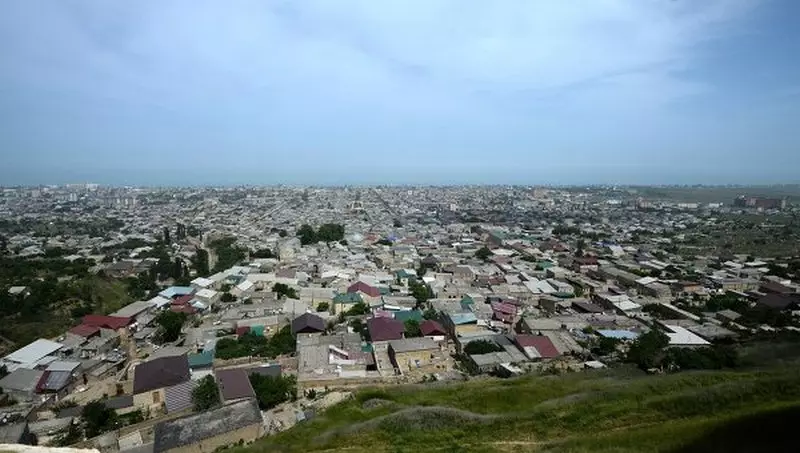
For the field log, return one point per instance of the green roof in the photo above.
(199, 360)
(407, 315)
(347, 298)
(467, 300)
(544, 264)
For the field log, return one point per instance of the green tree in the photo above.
(284, 290)
(323, 306)
(420, 292)
(98, 418)
(227, 297)
(358, 309)
(166, 236)
(201, 263)
(272, 391)
(430, 313)
(262, 253)
(206, 394)
(477, 347)
(171, 324)
(412, 328)
(307, 234)
(648, 350)
(483, 253)
(605, 346)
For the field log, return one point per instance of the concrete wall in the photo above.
(248, 434)
(151, 401)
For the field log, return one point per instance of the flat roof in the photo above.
(33, 352)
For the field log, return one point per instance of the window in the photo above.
(156, 398)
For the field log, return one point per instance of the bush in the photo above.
(206, 394)
(478, 347)
(271, 391)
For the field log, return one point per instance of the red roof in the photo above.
(504, 308)
(384, 329)
(242, 330)
(183, 300)
(108, 322)
(542, 344)
(430, 327)
(364, 288)
(85, 331)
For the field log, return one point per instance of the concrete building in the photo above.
(207, 431)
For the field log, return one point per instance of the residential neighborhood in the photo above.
(192, 319)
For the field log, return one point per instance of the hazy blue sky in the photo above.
(383, 91)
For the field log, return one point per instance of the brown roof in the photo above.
(308, 323)
(384, 329)
(160, 373)
(430, 327)
(546, 348)
(234, 384)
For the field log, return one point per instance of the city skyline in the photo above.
(363, 93)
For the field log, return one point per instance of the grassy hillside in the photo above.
(605, 411)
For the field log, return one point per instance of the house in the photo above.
(727, 316)
(361, 287)
(19, 291)
(778, 301)
(134, 310)
(504, 312)
(682, 337)
(414, 354)
(21, 384)
(308, 323)
(207, 431)
(344, 301)
(176, 291)
(385, 329)
(433, 330)
(772, 287)
(87, 332)
(202, 283)
(536, 347)
(243, 289)
(151, 378)
(586, 307)
(28, 356)
(234, 384)
(16, 434)
(107, 322)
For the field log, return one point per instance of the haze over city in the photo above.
(364, 92)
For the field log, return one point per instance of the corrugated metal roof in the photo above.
(179, 397)
(34, 351)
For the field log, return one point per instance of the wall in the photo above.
(146, 400)
(406, 360)
(248, 434)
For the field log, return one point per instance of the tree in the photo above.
(284, 290)
(483, 254)
(193, 231)
(98, 418)
(201, 263)
(478, 347)
(323, 306)
(180, 232)
(307, 234)
(166, 236)
(605, 346)
(272, 391)
(262, 253)
(647, 350)
(206, 394)
(171, 324)
(3, 244)
(358, 309)
(227, 297)
(420, 291)
(430, 313)
(412, 328)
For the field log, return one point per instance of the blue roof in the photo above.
(463, 318)
(618, 334)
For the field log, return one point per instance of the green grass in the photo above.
(605, 411)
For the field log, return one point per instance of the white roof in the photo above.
(627, 305)
(646, 280)
(206, 293)
(159, 301)
(33, 352)
(682, 337)
(244, 285)
(202, 282)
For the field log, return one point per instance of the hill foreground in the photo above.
(602, 411)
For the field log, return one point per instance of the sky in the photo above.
(201, 92)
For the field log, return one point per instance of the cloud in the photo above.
(438, 55)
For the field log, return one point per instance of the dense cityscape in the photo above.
(150, 320)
